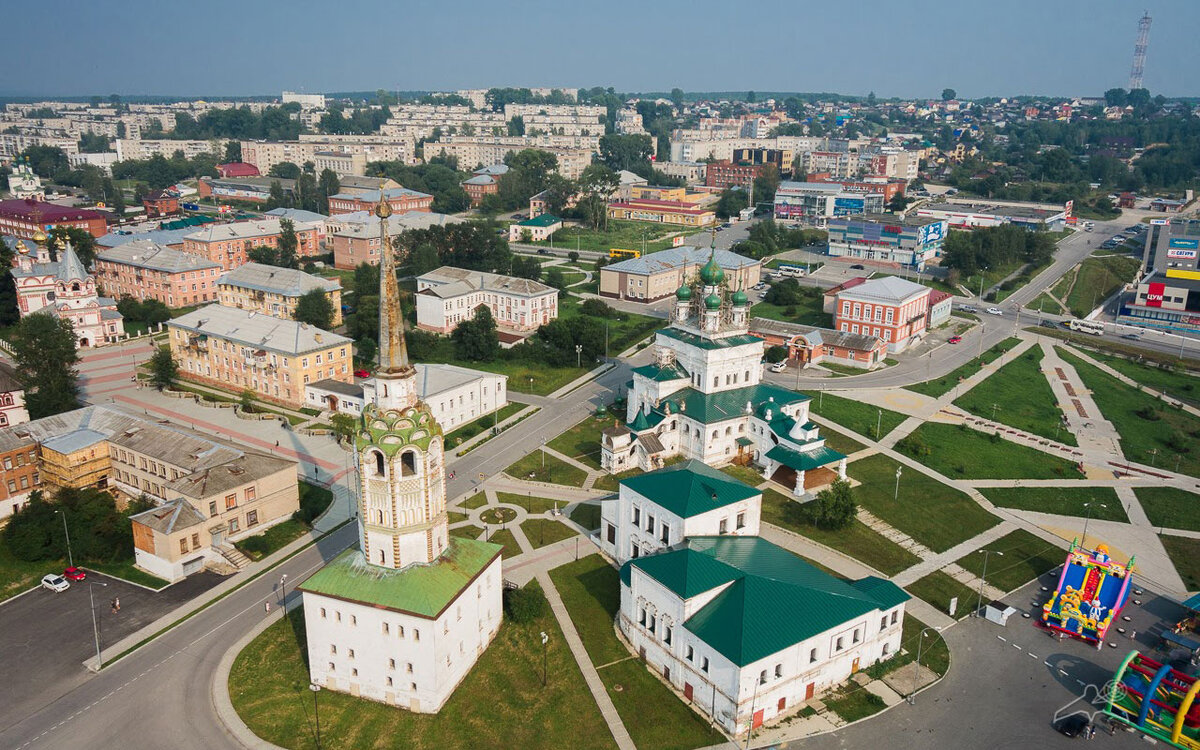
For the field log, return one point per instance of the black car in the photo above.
(858, 267)
(1072, 726)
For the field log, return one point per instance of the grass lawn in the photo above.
(1025, 558)
(622, 234)
(1093, 281)
(581, 442)
(526, 377)
(540, 466)
(1061, 501)
(505, 538)
(853, 702)
(936, 515)
(590, 589)
(474, 501)
(531, 503)
(1169, 431)
(840, 442)
(500, 703)
(856, 540)
(939, 588)
(275, 538)
(943, 385)
(587, 516)
(126, 571)
(856, 416)
(1185, 553)
(743, 474)
(934, 653)
(1024, 397)
(543, 531)
(1170, 507)
(469, 430)
(467, 532)
(991, 277)
(611, 482)
(1178, 384)
(959, 452)
(624, 329)
(808, 312)
(453, 517)
(18, 575)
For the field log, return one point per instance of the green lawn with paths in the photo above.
(1024, 558)
(808, 312)
(275, 538)
(960, 452)
(467, 532)
(856, 540)
(586, 515)
(465, 432)
(582, 441)
(1061, 501)
(500, 703)
(1143, 422)
(532, 504)
(505, 538)
(543, 531)
(1023, 397)
(541, 466)
(590, 590)
(1185, 554)
(477, 500)
(934, 653)
(934, 514)
(1176, 383)
(943, 385)
(1170, 507)
(856, 416)
(840, 442)
(622, 234)
(939, 588)
(624, 329)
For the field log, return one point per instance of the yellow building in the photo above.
(657, 193)
(242, 350)
(661, 211)
(275, 291)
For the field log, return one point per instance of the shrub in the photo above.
(524, 604)
(914, 446)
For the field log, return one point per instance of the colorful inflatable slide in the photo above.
(1090, 594)
(1157, 700)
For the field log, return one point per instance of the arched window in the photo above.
(728, 430)
(75, 286)
(379, 517)
(408, 464)
(382, 559)
(714, 434)
(378, 466)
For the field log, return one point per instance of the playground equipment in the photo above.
(1156, 700)
(1090, 594)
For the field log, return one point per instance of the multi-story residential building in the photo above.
(243, 350)
(247, 189)
(161, 203)
(25, 218)
(102, 161)
(266, 154)
(889, 308)
(15, 144)
(65, 289)
(726, 174)
(658, 275)
(12, 398)
(447, 296)
(307, 101)
(229, 244)
(815, 202)
(782, 158)
(574, 153)
(400, 199)
(484, 181)
(19, 471)
(131, 148)
(275, 291)
(886, 238)
(143, 269)
(654, 511)
(307, 219)
(760, 632)
(692, 172)
(340, 162)
(356, 238)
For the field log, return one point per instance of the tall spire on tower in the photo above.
(393, 352)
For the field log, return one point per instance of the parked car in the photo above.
(1072, 726)
(995, 311)
(55, 582)
(779, 366)
(858, 267)
(74, 574)
(362, 373)
(955, 339)
(1130, 336)
(966, 308)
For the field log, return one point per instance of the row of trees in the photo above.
(995, 247)
(768, 238)
(241, 123)
(439, 178)
(99, 532)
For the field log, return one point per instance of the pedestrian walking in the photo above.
(117, 603)
(268, 605)
(276, 443)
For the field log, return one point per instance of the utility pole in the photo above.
(983, 579)
(70, 557)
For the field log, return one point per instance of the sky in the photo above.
(904, 48)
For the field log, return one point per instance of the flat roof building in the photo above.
(887, 238)
(994, 214)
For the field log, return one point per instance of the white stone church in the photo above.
(703, 398)
(403, 618)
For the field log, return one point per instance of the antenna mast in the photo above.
(1139, 52)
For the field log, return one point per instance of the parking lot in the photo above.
(47, 635)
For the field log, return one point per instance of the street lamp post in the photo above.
(578, 355)
(315, 688)
(95, 624)
(1153, 455)
(283, 593)
(70, 557)
(545, 657)
(983, 579)
(994, 408)
(912, 698)
(896, 495)
(878, 423)
(1087, 517)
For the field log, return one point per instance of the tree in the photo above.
(233, 151)
(366, 280)
(285, 169)
(288, 244)
(43, 349)
(948, 94)
(344, 426)
(99, 532)
(619, 151)
(597, 308)
(898, 203)
(557, 279)
(327, 185)
(776, 354)
(315, 309)
(82, 242)
(516, 126)
(834, 507)
(476, 339)
(363, 323)
(598, 183)
(526, 267)
(163, 368)
(731, 202)
(423, 259)
(9, 313)
(246, 401)
(276, 198)
(677, 97)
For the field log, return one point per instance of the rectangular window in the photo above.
(724, 526)
(195, 541)
(231, 501)
(667, 636)
(212, 508)
(252, 518)
(233, 526)
(741, 520)
(704, 665)
(250, 494)
(183, 548)
(894, 616)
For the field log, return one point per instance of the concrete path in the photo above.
(942, 559)
(1084, 419)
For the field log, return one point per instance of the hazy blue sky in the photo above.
(893, 47)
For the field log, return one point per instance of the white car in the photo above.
(995, 311)
(55, 582)
(779, 367)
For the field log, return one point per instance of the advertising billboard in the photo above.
(1182, 254)
(932, 232)
(1186, 244)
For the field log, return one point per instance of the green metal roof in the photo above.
(717, 407)
(704, 342)
(673, 371)
(772, 598)
(541, 220)
(744, 442)
(690, 488)
(806, 460)
(422, 590)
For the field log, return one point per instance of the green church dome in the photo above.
(683, 293)
(712, 274)
(740, 299)
(713, 302)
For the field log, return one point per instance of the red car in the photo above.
(362, 374)
(74, 574)
(955, 339)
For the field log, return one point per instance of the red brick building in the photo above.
(401, 200)
(726, 174)
(888, 308)
(479, 186)
(161, 203)
(229, 244)
(23, 218)
(18, 471)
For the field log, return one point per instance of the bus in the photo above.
(792, 271)
(1094, 327)
(616, 252)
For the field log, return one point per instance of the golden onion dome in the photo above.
(383, 209)
(40, 237)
